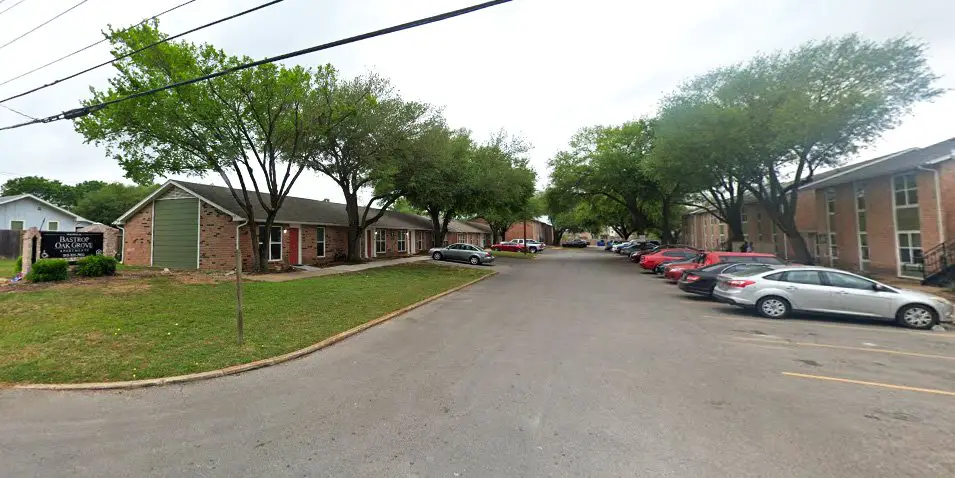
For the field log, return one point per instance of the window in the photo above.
(418, 241)
(275, 241)
(402, 241)
(320, 242)
(743, 217)
(907, 224)
(777, 276)
(833, 246)
(862, 225)
(379, 241)
(802, 277)
(53, 226)
(831, 201)
(745, 267)
(16, 225)
(769, 260)
(836, 279)
(906, 190)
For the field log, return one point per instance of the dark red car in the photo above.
(508, 246)
(674, 270)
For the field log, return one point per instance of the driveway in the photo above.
(574, 364)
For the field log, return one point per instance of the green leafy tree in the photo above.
(811, 109)
(506, 183)
(565, 212)
(245, 127)
(49, 190)
(110, 201)
(361, 131)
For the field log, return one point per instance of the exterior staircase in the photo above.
(938, 265)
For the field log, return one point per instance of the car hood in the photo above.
(919, 294)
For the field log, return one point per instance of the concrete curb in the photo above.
(235, 369)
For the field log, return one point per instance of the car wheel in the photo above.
(773, 307)
(533, 250)
(917, 316)
(436, 256)
(474, 261)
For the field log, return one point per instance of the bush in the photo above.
(18, 266)
(96, 266)
(47, 270)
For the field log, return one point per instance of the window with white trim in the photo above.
(320, 241)
(862, 226)
(402, 241)
(908, 227)
(53, 226)
(833, 249)
(833, 246)
(379, 241)
(419, 241)
(17, 225)
(274, 240)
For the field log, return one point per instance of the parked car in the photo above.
(674, 270)
(777, 293)
(508, 246)
(575, 243)
(532, 245)
(616, 247)
(462, 252)
(650, 261)
(609, 244)
(702, 281)
(600, 243)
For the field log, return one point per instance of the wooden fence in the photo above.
(10, 245)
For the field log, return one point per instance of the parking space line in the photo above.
(847, 347)
(871, 384)
(933, 335)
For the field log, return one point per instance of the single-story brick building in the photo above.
(474, 233)
(186, 225)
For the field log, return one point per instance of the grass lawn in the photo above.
(6, 268)
(160, 327)
(517, 255)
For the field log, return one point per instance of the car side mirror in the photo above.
(878, 287)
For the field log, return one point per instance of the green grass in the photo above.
(6, 268)
(160, 327)
(516, 255)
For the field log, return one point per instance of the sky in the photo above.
(539, 69)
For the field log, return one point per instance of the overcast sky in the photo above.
(537, 68)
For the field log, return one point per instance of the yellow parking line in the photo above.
(846, 347)
(871, 384)
(932, 335)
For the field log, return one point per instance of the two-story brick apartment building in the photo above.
(887, 215)
(185, 225)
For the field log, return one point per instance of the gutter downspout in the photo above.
(122, 242)
(938, 202)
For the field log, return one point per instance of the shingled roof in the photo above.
(294, 210)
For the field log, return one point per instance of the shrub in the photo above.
(96, 266)
(18, 266)
(47, 270)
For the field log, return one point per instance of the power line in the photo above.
(79, 112)
(127, 55)
(11, 7)
(91, 45)
(15, 111)
(64, 12)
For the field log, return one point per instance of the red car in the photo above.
(651, 261)
(508, 246)
(674, 271)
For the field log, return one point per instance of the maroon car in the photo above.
(508, 246)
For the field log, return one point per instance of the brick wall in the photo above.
(880, 226)
(844, 225)
(216, 239)
(336, 241)
(928, 209)
(137, 239)
(947, 185)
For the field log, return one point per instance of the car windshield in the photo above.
(747, 271)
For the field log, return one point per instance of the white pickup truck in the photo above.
(532, 245)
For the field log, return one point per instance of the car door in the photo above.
(806, 291)
(454, 252)
(857, 296)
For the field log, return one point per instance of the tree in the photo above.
(110, 201)
(563, 209)
(245, 127)
(361, 131)
(810, 109)
(607, 213)
(49, 190)
(439, 176)
(505, 181)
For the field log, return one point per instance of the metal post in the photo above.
(525, 236)
(239, 319)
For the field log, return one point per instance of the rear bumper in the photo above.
(731, 299)
(689, 287)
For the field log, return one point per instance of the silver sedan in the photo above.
(778, 292)
(462, 252)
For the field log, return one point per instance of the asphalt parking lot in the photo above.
(574, 364)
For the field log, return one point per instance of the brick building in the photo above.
(888, 215)
(469, 232)
(196, 226)
(536, 229)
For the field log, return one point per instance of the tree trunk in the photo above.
(436, 228)
(354, 228)
(666, 233)
(798, 243)
(558, 234)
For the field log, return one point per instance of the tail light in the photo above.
(692, 278)
(739, 283)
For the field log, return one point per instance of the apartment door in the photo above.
(293, 243)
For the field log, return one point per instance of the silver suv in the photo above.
(778, 292)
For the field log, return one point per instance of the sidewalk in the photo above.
(330, 271)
